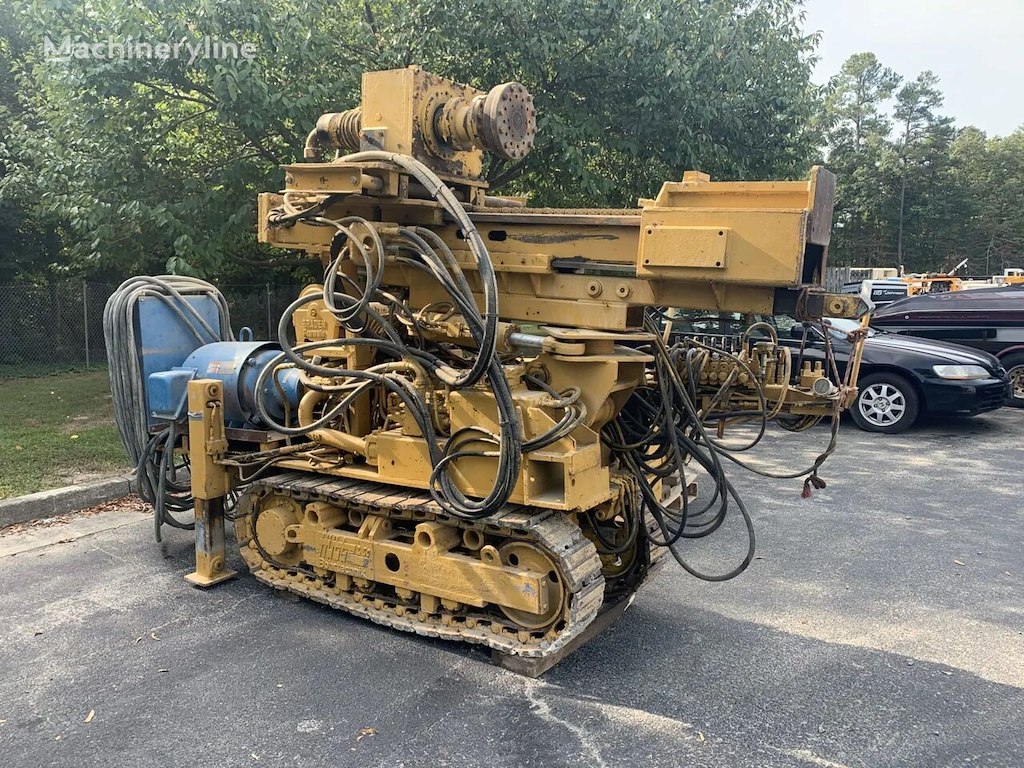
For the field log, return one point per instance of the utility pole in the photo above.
(903, 199)
(85, 319)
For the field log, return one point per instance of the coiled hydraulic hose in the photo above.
(157, 475)
(350, 303)
(657, 434)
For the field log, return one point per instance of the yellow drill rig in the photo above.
(480, 425)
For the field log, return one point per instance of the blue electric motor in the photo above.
(237, 364)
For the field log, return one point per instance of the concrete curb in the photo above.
(59, 501)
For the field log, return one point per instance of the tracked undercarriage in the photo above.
(524, 582)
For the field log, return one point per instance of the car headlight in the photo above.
(960, 372)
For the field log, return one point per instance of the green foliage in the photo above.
(27, 242)
(857, 130)
(913, 190)
(922, 155)
(155, 164)
(853, 102)
(990, 174)
(144, 165)
(109, 167)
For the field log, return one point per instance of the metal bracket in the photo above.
(210, 481)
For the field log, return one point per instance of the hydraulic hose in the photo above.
(156, 471)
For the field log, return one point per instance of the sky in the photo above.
(976, 47)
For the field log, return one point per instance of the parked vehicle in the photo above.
(901, 377)
(989, 319)
(879, 292)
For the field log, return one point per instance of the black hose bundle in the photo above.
(658, 433)
(661, 431)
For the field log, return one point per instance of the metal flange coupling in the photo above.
(503, 121)
(509, 121)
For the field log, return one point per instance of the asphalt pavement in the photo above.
(880, 625)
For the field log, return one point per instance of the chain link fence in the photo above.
(59, 326)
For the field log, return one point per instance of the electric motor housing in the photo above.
(237, 364)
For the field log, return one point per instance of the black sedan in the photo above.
(902, 377)
(989, 319)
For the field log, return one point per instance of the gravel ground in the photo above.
(881, 625)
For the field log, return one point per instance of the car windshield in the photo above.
(840, 326)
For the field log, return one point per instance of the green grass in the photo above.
(57, 430)
(34, 370)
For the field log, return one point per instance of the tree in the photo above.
(923, 140)
(857, 135)
(990, 171)
(28, 244)
(855, 100)
(913, 190)
(1003, 207)
(156, 164)
(898, 203)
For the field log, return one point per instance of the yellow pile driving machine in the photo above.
(482, 424)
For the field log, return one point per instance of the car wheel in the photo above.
(1014, 365)
(886, 402)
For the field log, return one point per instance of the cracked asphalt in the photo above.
(881, 625)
